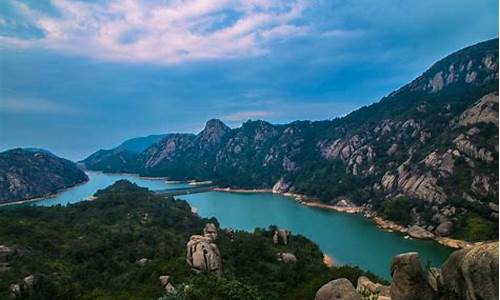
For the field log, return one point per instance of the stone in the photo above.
(435, 279)
(142, 262)
(281, 235)
(5, 253)
(366, 286)
(444, 229)
(23, 289)
(339, 289)
(418, 232)
(388, 181)
(203, 254)
(473, 272)
(493, 206)
(484, 111)
(408, 279)
(286, 257)
(167, 284)
(281, 186)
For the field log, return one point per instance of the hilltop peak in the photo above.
(213, 132)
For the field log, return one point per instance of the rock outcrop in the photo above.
(470, 274)
(408, 279)
(419, 232)
(167, 284)
(281, 236)
(366, 287)
(341, 289)
(484, 111)
(286, 257)
(203, 254)
(473, 272)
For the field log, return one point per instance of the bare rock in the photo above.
(281, 186)
(203, 254)
(418, 232)
(444, 229)
(286, 257)
(366, 286)
(341, 289)
(142, 262)
(464, 145)
(167, 284)
(388, 181)
(281, 236)
(473, 272)
(483, 111)
(435, 279)
(408, 279)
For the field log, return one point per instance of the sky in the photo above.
(77, 76)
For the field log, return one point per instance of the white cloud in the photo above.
(34, 105)
(164, 31)
(245, 115)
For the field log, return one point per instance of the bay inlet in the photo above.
(347, 238)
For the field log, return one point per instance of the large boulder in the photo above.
(203, 254)
(444, 229)
(339, 289)
(281, 235)
(408, 278)
(166, 283)
(472, 273)
(367, 287)
(286, 257)
(418, 232)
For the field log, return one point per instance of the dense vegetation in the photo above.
(89, 250)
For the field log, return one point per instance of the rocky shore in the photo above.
(345, 206)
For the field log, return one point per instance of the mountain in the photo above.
(427, 154)
(140, 144)
(127, 153)
(32, 173)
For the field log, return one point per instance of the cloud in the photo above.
(245, 115)
(34, 105)
(162, 32)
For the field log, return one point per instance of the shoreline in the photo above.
(378, 221)
(49, 196)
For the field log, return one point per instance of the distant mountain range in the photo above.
(426, 154)
(32, 173)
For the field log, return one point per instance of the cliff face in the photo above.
(27, 174)
(427, 154)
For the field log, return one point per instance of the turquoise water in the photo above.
(347, 238)
(98, 181)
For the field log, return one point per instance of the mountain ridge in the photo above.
(424, 155)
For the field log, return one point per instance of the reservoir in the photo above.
(347, 238)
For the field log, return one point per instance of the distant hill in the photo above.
(32, 173)
(127, 153)
(140, 144)
(427, 154)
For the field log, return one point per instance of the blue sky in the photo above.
(77, 76)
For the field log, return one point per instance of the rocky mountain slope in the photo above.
(31, 173)
(426, 155)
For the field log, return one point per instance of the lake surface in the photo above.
(347, 238)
